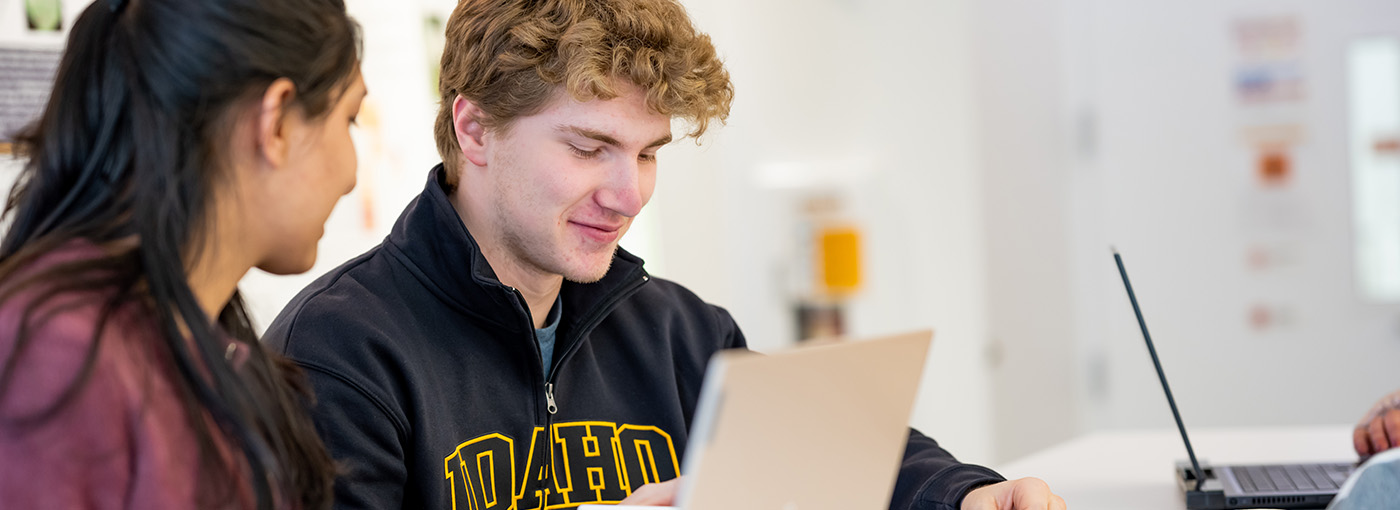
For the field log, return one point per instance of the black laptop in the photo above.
(1242, 486)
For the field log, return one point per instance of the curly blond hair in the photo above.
(511, 56)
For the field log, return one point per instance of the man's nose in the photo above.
(622, 192)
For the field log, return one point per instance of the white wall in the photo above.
(1022, 49)
(1178, 198)
(1141, 148)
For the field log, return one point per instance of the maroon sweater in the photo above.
(123, 442)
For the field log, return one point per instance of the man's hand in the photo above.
(1379, 434)
(654, 494)
(1023, 494)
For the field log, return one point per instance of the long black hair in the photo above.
(125, 156)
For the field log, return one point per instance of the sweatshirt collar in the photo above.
(430, 238)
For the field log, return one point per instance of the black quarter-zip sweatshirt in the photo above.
(429, 392)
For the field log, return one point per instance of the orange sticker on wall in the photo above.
(1274, 168)
(840, 260)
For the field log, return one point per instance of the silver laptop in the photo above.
(820, 427)
(1208, 487)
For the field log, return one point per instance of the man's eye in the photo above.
(583, 153)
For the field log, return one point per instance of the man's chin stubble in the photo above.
(593, 278)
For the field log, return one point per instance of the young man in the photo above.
(498, 350)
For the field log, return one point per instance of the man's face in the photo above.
(562, 186)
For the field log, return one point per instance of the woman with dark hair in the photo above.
(185, 142)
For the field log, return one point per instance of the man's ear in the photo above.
(272, 135)
(471, 135)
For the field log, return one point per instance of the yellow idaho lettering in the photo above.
(581, 443)
(534, 494)
(474, 473)
(648, 455)
(574, 464)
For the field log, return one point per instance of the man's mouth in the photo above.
(601, 232)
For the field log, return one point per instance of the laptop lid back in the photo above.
(1199, 475)
(815, 428)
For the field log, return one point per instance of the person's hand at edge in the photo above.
(1021, 494)
(1379, 433)
(1372, 434)
(654, 494)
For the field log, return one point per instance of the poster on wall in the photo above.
(1270, 86)
(31, 44)
(1269, 69)
(1268, 82)
(26, 77)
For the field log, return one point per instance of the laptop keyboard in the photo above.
(1287, 478)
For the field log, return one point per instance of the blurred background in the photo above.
(965, 165)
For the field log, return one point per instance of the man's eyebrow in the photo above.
(605, 138)
(589, 133)
(661, 141)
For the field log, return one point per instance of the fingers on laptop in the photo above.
(1392, 426)
(654, 494)
(1361, 440)
(1380, 434)
(1380, 439)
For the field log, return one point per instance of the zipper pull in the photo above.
(549, 397)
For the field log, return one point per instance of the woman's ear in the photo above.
(471, 134)
(272, 129)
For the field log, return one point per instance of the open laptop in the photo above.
(1241, 486)
(819, 427)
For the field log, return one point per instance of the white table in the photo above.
(1133, 469)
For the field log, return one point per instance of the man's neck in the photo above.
(539, 288)
(539, 293)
